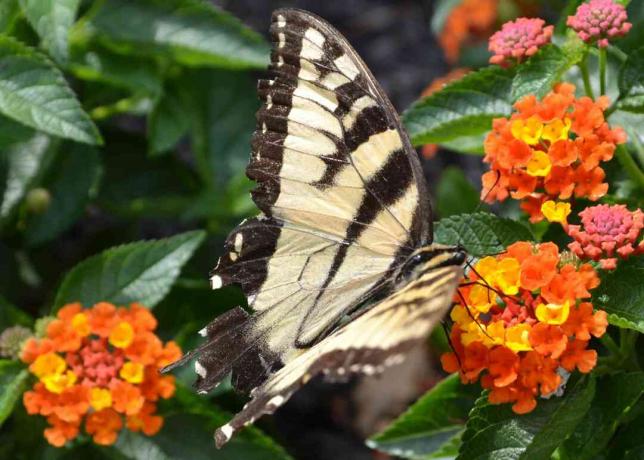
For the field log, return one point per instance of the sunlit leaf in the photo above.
(13, 381)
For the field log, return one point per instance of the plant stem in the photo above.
(609, 343)
(583, 66)
(602, 71)
(619, 54)
(630, 166)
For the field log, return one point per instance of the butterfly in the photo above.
(339, 268)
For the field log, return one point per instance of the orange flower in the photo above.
(549, 149)
(576, 355)
(467, 20)
(99, 365)
(504, 365)
(582, 322)
(548, 339)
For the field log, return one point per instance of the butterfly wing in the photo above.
(377, 338)
(343, 201)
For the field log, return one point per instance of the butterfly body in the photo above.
(339, 268)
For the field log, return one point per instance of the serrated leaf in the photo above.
(539, 73)
(631, 83)
(34, 92)
(480, 233)
(13, 381)
(193, 32)
(137, 272)
(495, 432)
(463, 108)
(52, 20)
(615, 396)
(431, 424)
(621, 295)
(455, 194)
(25, 161)
(71, 183)
(138, 76)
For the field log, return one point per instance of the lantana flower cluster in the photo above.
(522, 322)
(599, 20)
(550, 150)
(518, 40)
(607, 232)
(99, 366)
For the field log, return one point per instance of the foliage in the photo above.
(125, 129)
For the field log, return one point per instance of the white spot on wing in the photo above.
(204, 332)
(312, 44)
(227, 431)
(282, 39)
(216, 282)
(346, 66)
(281, 20)
(233, 256)
(200, 370)
(239, 240)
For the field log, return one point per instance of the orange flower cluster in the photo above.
(521, 320)
(549, 150)
(471, 18)
(99, 365)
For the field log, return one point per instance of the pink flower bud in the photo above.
(599, 20)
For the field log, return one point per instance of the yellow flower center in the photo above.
(528, 131)
(122, 335)
(100, 398)
(56, 383)
(80, 324)
(48, 364)
(556, 130)
(556, 211)
(517, 337)
(132, 372)
(553, 313)
(539, 164)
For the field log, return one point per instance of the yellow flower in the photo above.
(508, 275)
(556, 130)
(56, 383)
(539, 164)
(496, 332)
(100, 398)
(473, 332)
(556, 211)
(529, 131)
(517, 337)
(553, 313)
(122, 335)
(80, 324)
(481, 298)
(48, 364)
(132, 372)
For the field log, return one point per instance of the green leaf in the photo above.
(615, 396)
(52, 20)
(138, 76)
(167, 124)
(137, 272)
(495, 432)
(628, 444)
(480, 233)
(25, 162)
(10, 315)
(463, 108)
(9, 10)
(193, 32)
(431, 423)
(539, 73)
(34, 92)
(455, 194)
(466, 144)
(72, 181)
(13, 381)
(621, 295)
(631, 83)
(442, 10)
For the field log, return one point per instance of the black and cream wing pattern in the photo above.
(344, 219)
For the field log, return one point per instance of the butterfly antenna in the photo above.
(447, 331)
(496, 182)
(469, 312)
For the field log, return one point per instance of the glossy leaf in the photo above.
(631, 83)
(615, 396)
(463, 108)
(25, 161)
(539, 73)
(621, 295)
(480, 233)
(52, 21)
(431, 424)
(137, 272)
(455, 194)
(167, 124)
(35, 93)
(193, 32)
(13, 381)
(494, 431)
(71, 183)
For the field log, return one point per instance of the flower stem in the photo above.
(610, 344)
(630, 166)
(602, 71)
(583, 66)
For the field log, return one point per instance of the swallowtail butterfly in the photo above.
(339, 268)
